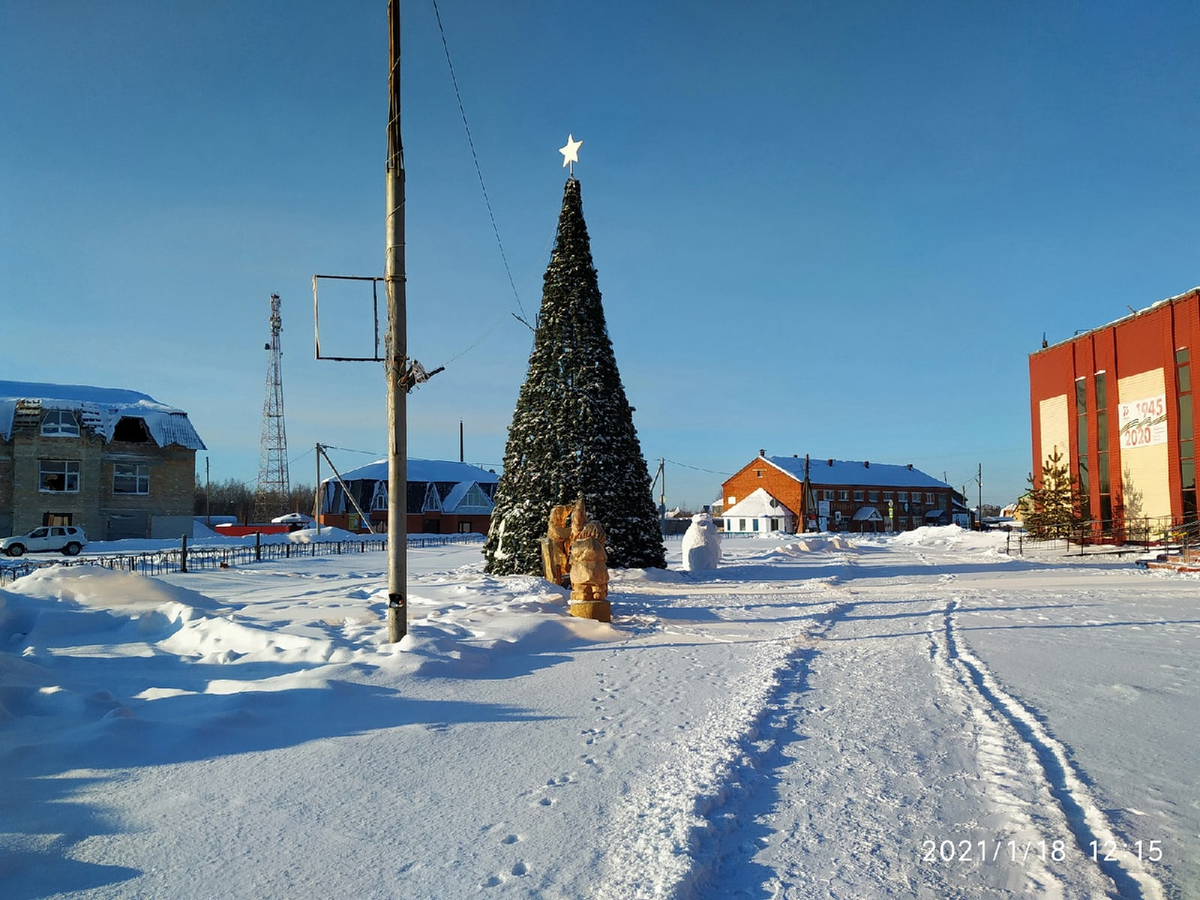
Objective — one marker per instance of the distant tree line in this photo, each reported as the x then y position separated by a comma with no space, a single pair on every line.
236,498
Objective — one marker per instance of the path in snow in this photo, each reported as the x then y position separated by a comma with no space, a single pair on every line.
891,762
811,722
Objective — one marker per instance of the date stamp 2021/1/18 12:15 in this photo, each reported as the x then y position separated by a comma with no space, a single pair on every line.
1022,852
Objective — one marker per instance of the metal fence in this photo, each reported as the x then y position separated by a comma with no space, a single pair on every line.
186,558
1108,536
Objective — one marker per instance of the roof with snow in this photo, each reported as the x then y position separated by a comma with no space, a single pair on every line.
841,471
100,409
1133,314
759,503
438,470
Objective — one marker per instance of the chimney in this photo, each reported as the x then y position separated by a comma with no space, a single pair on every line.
762,453
910,467
866,463
830,461
795,456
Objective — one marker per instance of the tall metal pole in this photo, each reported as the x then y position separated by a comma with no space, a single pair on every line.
979,478
396,361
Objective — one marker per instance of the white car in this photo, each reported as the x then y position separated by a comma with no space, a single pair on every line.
66,538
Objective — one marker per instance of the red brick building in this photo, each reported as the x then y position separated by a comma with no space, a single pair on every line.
843,496
1117,402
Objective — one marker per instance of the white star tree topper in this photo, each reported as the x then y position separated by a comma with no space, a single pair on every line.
571,153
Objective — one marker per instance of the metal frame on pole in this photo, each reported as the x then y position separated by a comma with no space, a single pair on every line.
396,363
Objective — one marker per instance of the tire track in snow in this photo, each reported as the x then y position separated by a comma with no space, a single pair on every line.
1085,820
663,842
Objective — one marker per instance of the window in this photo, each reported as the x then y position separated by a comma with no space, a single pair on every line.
872,496
758,472
59,475
741,524
60,423
916,498
1102,448
1187,451
843,495
129,478
1081,444
379,497
858,496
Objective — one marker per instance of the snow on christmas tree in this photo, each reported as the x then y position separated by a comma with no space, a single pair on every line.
572,432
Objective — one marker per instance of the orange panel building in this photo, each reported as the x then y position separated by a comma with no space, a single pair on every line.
1117,402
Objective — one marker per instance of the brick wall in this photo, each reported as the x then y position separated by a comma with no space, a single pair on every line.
788,490
1137,357
25,505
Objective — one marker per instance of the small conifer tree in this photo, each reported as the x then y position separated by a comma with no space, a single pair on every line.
572,431
1052,507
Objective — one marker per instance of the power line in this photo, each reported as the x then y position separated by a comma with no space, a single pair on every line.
474,156
698,469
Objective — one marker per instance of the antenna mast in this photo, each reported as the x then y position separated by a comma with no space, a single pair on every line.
273,483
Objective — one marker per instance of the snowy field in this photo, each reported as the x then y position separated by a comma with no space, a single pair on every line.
911,716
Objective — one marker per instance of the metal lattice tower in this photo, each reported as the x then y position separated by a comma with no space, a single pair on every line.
273,483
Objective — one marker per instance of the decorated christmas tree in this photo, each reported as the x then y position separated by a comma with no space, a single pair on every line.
572,432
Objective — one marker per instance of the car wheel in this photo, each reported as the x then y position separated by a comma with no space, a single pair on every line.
15,550
72,549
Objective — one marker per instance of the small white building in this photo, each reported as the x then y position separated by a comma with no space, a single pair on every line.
757,514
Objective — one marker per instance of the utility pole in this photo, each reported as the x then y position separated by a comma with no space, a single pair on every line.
396,359
806,503
662,495
662,488
979,478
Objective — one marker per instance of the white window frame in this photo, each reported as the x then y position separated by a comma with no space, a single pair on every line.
67,468
60,423
136,473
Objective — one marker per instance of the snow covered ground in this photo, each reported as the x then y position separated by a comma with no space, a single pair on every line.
909,716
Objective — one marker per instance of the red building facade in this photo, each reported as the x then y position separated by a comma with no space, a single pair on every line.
844,495
1117,403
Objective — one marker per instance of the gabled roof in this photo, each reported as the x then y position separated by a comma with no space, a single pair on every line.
461,493
440,470
839,471
758,504
101,409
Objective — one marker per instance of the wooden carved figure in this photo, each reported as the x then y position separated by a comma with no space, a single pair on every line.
557,544
589,568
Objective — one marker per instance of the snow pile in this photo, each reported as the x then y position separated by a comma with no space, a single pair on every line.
818,543
949,537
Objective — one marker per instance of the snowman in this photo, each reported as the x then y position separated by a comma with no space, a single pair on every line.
701,544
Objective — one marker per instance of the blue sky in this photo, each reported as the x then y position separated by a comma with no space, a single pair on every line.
825,228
